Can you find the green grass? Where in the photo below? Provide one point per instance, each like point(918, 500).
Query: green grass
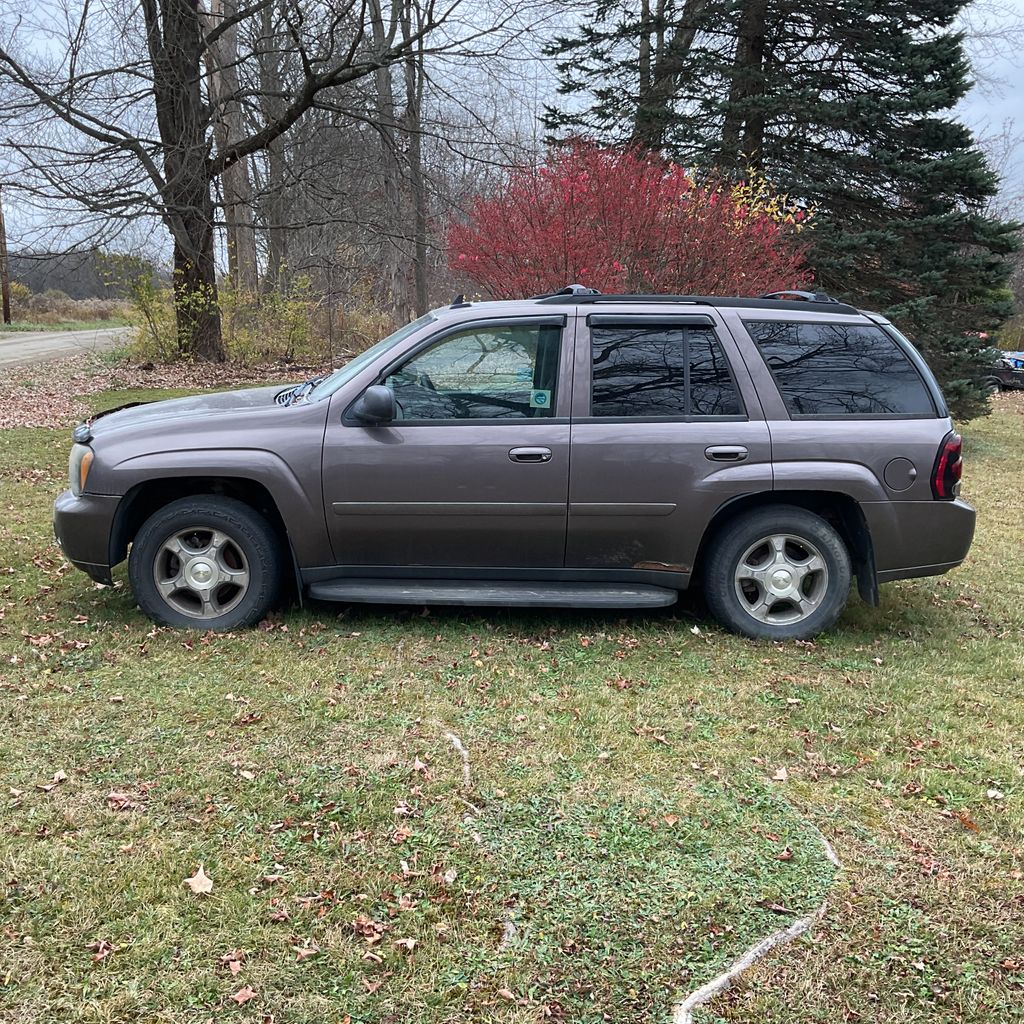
point(66, 325)
point(619, 843)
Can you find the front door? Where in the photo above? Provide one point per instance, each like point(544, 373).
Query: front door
point(474, 471)
point(666, 429)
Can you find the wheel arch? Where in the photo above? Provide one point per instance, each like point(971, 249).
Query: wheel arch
point(840, 510)
point(149, 496)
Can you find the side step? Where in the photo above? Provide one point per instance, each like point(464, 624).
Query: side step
point(486, 592)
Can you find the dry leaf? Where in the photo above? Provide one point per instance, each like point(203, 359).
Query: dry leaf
point(101, 949)
point(243, 995)
point(781, 775)
point(200, 883)
point(407, 944)
point(787, 854)
point(670, 819)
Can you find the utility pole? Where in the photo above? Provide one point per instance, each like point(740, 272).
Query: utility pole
point(5, 284)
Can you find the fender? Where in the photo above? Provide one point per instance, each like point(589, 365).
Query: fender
point(300, 510)
point(848, 478)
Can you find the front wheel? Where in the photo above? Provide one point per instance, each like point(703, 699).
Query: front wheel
point(778, 573)
point(206, 562)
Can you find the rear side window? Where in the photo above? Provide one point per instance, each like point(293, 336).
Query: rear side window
point(671, 371)
point(840, 370)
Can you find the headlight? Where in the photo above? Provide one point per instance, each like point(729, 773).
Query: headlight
point(78, 467)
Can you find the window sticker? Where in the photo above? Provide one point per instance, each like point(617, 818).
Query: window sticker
point(540, 399)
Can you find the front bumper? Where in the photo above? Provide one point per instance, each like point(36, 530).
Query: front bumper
point(82, 527)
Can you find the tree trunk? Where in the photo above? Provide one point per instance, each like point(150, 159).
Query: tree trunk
point(743, 129)
point(276, 199)
point(222, 61)
point(392, 219)
point(414, 76)
point(5, 284)
point(174, 38)
point(654, 107)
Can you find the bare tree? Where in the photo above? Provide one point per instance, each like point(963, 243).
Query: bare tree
point(124, 135)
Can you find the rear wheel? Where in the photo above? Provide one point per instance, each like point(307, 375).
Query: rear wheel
point(779, 573)
point(206, 562)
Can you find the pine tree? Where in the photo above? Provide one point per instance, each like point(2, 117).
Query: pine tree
point(845, 104)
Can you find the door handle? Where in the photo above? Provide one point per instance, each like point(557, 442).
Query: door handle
point(726, 453)
point(530, 454)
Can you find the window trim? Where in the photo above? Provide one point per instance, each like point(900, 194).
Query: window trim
point(683, 323)
point(847, 417)
point(461, 327)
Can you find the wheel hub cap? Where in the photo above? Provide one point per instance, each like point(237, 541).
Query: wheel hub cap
point(781, 579)
point(201, 572)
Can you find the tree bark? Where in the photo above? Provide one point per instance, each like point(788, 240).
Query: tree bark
point(743, 128)
point(5, 284)
point(653, 112)
point(414, 76)
point(174, 38)
point(229, 128)
point(392, 221)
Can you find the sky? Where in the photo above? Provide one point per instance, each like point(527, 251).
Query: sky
point(995, 106)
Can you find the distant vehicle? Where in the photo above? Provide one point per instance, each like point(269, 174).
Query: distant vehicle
point(1008, 373)
point(575, 449)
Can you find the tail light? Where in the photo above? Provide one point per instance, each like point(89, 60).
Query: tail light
point(949, 466)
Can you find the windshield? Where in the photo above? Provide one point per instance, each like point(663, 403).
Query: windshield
point(345, 373)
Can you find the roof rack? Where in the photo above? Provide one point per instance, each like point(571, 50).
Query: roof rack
point(804, 296)
point(572, 290)
point(825, 304)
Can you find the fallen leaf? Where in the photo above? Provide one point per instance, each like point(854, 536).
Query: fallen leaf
point(670, 819)
point(966, 820)
point(995, 794)
point(781, 775)
point(200, 883)
point(371, 986)
point(787, 854)
point(407, 944)
point(243, 995)
point(507, 993)
point(101, 949)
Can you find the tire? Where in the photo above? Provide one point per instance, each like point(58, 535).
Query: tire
point(760, 588)
point(206, 562)
point(993, 385)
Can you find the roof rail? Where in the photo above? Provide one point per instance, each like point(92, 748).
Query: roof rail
point(829, 305)
point(790, 294)
point(575, 290)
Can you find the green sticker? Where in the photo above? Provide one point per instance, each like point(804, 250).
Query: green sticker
point(540, 399)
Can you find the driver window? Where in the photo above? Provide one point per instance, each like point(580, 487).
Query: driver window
point(507, 372)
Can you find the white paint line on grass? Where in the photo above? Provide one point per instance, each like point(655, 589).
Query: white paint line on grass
point(683, 1012)
point(467, 778)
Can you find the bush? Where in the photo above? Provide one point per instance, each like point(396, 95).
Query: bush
point(623, 220)
point(292, 327)
point(55, 307)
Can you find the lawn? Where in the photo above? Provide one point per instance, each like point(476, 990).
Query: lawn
point(506, 816)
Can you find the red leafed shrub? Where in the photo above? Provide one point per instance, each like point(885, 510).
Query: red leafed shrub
point(627, 221)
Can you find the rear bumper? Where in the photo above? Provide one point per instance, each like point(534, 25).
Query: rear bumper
point(82, 528)
point(918, 538)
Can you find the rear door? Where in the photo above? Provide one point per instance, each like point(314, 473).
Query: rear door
point(666, 429)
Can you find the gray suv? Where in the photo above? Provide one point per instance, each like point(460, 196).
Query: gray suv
point(576, 449)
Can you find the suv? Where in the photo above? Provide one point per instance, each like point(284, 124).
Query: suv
point(575, 449)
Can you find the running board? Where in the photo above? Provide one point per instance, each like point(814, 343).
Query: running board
point(482, 592)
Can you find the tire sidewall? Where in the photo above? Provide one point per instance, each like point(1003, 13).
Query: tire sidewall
point(738, 536)
point(246, 528)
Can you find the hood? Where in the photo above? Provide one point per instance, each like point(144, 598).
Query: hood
point(219, 404)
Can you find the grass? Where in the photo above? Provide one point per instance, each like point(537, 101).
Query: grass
point(622, 839)
point(65, 325)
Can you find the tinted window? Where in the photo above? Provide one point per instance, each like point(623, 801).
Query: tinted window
point(839, 370)
point(485, 373)
point(667, 371)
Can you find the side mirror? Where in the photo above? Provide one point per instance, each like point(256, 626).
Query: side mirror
point(376, 406)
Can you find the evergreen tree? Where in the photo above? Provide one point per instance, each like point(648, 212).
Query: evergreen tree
point(846, 105)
